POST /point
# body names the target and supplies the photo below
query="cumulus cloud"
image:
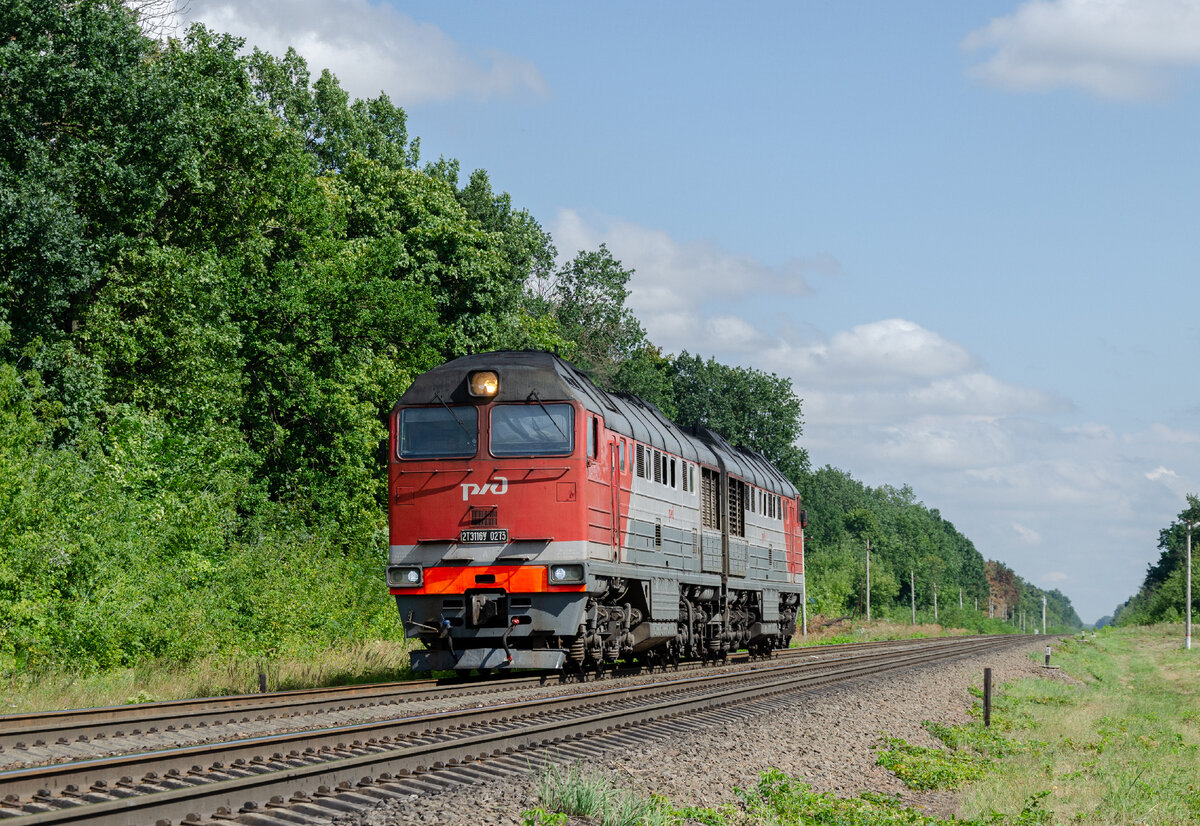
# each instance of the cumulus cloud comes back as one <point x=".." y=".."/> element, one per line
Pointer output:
<point x="1160" y="473"/>
<point x="674" y="280"/>
<point x="1127" y="49"/>
<point x="1027" y="535"/>
<point x="889" y="350"/>
<point x="893" y="402"/>
<point x="373" y="48"/>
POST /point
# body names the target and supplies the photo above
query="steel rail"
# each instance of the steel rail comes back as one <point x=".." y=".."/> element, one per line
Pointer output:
<point x="462" y="737"/>
<point x="20" y="731"/>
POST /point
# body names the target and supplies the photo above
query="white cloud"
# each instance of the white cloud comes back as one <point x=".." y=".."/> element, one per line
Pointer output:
<point x="372" y="48"/>
<point x="1112" y="48"/>
<point x="894" y="402"/>
<point x="883" y="351"/>
<point x="675" y="280"/>
<point x="1160" y="473"/>
<point x="1027" y="535"/>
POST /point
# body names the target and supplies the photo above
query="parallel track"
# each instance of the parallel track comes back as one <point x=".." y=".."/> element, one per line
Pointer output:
<point x="23" y="733"/>
<point x="235" y="779"/>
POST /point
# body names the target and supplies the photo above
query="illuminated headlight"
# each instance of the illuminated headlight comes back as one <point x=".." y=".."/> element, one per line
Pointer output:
<point x="566" y="574"/>
<point x="403" y="576"/>
<point x="483" y="383"/>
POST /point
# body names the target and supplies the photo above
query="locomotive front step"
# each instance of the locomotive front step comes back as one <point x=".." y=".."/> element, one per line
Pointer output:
<point x="468" y="658"/>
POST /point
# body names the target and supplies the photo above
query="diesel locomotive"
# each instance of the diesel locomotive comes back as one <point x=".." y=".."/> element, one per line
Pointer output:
<point x="539" y="522"/>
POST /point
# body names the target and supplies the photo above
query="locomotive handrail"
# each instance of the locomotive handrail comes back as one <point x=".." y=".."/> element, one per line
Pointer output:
<point x="511" y="539"/>
<point x="561" y="471"/>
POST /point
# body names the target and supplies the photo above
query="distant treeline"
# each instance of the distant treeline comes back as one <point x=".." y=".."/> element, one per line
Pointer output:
<point x="217" y="274"/>
<point x="1162" y="595"/>
<point x="915" y="552"/>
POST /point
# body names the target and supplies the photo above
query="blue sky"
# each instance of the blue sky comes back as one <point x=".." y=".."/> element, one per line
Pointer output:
<point x="967" y="232"/>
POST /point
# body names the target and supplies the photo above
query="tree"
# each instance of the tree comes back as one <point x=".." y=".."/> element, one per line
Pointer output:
<point x="649" y="375"/>
<point x="1161" y="596"/>
<point x="588" y="299"/>
<point x="748" y="407"/>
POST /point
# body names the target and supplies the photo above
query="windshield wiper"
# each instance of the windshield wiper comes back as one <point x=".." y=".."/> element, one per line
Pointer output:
<point x="463" y="427"/>
<point x="534" y="395"/>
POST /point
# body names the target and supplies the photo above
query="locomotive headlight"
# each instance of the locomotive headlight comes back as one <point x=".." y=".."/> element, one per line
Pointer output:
<point x="566" y="574"/>
<point x="483" y="384"/>
<point x="403" y="576"/>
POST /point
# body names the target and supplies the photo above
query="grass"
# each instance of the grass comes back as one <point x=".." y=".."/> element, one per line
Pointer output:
<point x="47" y="687"/>
<point x="572" y="792"/>
<point x="56" y="688"/>
<point x="776" y="800"/>
<point x="858" y="631"/>
<point x="923" y="768"/>
<point x="1111" y="738"/>
<point x="1118" y="744"/>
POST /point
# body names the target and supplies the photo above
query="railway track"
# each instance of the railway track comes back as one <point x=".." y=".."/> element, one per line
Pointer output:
<point x="51" y="736"/>
<point x="310" y="776"/>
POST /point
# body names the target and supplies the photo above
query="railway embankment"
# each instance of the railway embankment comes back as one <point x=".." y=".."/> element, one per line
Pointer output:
<point x="828" y="738"/>
<point x="710" y="730"/>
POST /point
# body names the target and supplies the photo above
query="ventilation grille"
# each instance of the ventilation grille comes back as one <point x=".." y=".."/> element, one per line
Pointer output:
<point x="484" y="517"/>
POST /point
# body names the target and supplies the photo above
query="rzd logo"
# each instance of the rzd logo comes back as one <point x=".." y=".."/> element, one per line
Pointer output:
<point x="498" y="486"/>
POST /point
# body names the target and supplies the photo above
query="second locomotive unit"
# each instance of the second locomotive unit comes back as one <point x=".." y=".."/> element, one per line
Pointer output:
<point x="537" y="521"/>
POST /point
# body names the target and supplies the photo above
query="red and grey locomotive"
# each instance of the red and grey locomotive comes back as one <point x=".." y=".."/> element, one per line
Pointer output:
<point x="537" y="521"/>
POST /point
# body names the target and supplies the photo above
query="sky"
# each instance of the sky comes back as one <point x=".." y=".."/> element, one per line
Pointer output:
<point x="966" y="232"/>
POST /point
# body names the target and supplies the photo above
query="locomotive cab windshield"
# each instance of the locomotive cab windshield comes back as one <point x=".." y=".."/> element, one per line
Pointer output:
<point x="532" y="429"/>
<point x="438" y="432"/>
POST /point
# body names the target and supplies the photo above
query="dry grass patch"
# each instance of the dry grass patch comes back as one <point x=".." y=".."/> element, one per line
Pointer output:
<point x="366" y="662"/>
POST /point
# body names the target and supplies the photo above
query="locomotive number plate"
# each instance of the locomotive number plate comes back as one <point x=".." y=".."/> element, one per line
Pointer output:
<point x="491" y="535"/>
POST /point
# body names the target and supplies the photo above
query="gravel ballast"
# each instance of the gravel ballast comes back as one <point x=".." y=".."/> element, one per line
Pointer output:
<point x="828" y="740"/>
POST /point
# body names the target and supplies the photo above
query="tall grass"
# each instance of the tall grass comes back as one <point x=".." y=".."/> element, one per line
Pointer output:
<point x="54" y="687"/>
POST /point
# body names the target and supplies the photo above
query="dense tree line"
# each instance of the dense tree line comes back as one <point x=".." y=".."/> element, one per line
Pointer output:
<point x="217" y="274"/>
<point x="1162" y="595"/>
<point x="915" y="552"/>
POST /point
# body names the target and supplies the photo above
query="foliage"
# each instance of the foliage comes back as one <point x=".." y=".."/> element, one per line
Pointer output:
<point x="905" y="536"/>
<point x="780" y="799"/>
<point x="923" y="768"/>
<point x="908" y="539"/>
<point x="748" y="407"/>
<point x="1162" y="597"/>
<point x="215" y="279"/>
<point x="570" y="791"/>
<point x="216" y="276"/>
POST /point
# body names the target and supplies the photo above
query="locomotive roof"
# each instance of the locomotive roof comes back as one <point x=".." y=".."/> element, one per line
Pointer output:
<point x="526" y="375"/>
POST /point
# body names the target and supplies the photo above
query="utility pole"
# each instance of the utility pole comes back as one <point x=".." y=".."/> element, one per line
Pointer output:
<point x="935" y="616"/>
<point x="1187" y="628"/>
<point x="1043" y="616"/>
<point x="960" y="599"/>
<point x="912" y="592"/>
<point x="868" y="580"/>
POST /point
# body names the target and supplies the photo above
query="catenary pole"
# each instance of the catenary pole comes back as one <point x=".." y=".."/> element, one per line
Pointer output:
<point x="868" y="580"/>
<point x="1187" y="628"/>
